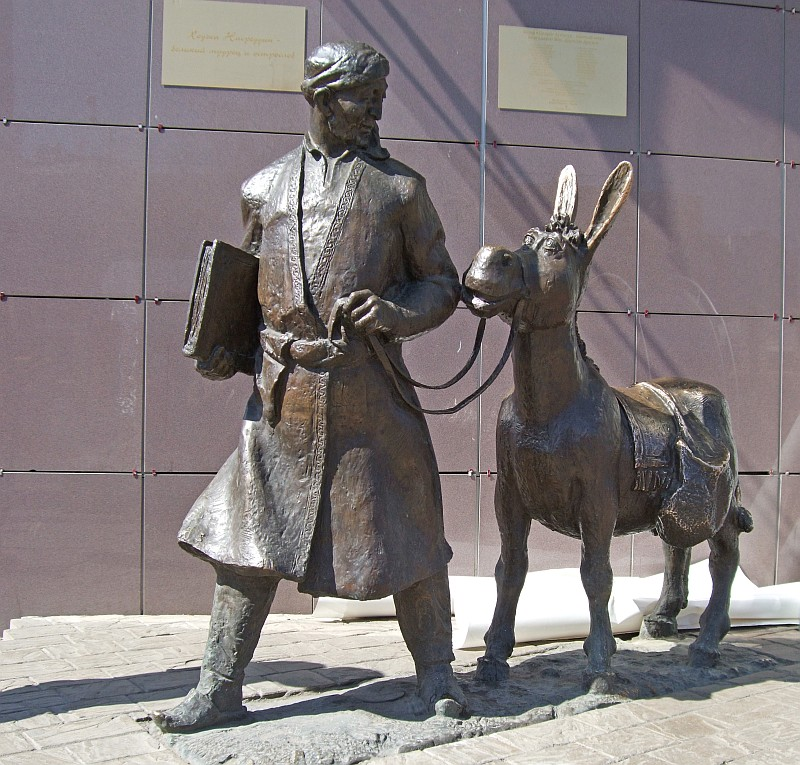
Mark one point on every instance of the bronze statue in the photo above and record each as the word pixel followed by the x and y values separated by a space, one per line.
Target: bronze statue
pixel 334 483
pixel 591 461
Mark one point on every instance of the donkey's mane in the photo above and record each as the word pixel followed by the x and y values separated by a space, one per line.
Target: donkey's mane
pixel 582 348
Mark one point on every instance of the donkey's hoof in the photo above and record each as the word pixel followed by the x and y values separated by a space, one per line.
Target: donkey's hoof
pixel 702 658
pixel 491 670
pixel 658 627
pixel 599 683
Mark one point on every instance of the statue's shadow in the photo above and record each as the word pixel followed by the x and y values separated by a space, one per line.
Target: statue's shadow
pixel 288 678
pixel 542 681
pixel 641 669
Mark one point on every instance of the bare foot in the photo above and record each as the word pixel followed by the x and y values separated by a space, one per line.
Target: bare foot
pixel 195 712
pixel 438 693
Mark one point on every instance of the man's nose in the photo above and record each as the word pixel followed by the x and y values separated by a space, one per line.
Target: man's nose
pixel 376 108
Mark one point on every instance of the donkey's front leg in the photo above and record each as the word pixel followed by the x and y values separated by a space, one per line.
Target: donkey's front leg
pixel 598 580
pixel 715 622
pixel 509 574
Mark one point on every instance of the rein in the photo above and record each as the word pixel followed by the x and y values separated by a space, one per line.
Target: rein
pixel 395 372
pixel 453 380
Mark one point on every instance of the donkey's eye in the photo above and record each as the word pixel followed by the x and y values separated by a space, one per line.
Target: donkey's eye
pixel 553 246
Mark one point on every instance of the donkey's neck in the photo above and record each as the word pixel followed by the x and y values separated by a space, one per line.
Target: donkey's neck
pixel 550 372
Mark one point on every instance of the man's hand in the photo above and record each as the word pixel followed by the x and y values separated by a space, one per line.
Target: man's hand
pixel 368 313
pixel 219 365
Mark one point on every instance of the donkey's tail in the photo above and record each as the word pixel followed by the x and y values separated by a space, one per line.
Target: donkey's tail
pixel 744 521
pixel 741 515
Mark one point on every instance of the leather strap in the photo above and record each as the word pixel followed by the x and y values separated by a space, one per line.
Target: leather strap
pixel 394 373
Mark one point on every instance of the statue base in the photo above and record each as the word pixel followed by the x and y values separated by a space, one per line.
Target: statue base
pixel 337 725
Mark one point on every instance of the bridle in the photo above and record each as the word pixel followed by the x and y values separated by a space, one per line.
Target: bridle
pixel 396 373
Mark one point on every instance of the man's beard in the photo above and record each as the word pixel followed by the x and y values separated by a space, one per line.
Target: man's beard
pixel 352 136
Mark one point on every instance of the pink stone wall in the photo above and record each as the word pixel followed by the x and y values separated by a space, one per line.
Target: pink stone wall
pixel 108 434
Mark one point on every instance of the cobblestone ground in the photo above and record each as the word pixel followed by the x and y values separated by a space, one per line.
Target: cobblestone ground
pixel 81 689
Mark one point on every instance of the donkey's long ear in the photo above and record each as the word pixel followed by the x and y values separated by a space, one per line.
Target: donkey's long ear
pixel 615 192
pixel 567 194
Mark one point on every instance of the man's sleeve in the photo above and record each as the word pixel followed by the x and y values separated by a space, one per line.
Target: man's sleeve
pixel 252 222
pixel 431 293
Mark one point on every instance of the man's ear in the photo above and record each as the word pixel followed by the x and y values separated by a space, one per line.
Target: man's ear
pixel 322 101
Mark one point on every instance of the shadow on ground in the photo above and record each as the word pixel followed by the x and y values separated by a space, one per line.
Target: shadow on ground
pixel 376 718
pixel 58 696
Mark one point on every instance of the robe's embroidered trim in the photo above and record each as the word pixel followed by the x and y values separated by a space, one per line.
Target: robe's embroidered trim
pixel 295 265
pixel 316 282
pixel 320 426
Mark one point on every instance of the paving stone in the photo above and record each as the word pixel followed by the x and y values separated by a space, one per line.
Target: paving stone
pixel 426 757
pixel 11 743
pixel 622 716
pixel 12 642
pixel 110 708
pixel 11 685
pixel 761 682
pixel 38 671
pixel 460 753
pixel 79 647
pixel 130 656
pixel 155 681
pixel 24 653
pixel 82 730
pixel 161 757
pixel 131 745
pixel 162 704
pixel 33 721
pixel 708 750
pixel 758 758
pixel 25 704
pixel 668 706
pixel 567 754
pixel 729 691
pixel 690 725
pixel 780 732
pixel 738 713
pixel 80 691
pixel 783 651
pixel 755 708
pixel 41 758
pixel 141 675
pixel 557 732
pixel 637 740
pixel 33 627
pixel 170 642
pixel 494 747
pixel 786 635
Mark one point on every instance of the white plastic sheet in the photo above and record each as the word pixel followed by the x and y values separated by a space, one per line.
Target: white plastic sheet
pixel 553 605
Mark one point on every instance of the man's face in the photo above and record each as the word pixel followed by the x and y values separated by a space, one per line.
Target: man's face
pixel 354 113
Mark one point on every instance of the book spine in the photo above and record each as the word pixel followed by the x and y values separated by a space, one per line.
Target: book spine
pixel 199 299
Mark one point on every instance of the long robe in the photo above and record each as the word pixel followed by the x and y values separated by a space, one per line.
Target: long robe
pixel 334 483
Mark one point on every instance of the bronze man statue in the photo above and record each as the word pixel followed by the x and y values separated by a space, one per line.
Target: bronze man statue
pixel 334 484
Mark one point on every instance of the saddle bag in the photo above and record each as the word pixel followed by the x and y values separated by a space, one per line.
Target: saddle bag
pixel 696 500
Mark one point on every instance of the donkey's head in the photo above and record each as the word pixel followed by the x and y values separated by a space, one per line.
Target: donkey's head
pixel 542 282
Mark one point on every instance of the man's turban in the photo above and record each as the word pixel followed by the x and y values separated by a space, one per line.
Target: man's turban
pixel 342 65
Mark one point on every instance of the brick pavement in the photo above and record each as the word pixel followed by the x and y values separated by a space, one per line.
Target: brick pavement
pixel 80 690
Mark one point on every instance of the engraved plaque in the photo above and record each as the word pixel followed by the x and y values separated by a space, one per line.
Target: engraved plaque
pixel 553 70
pixel 211 44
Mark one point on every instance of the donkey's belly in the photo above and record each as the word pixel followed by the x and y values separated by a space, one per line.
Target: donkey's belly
pixel 564 486
pixel 550 490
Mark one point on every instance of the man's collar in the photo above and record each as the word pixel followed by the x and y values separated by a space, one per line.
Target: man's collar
pixel 373 152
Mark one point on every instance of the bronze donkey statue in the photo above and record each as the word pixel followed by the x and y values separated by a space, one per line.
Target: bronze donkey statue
pixel 591 461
